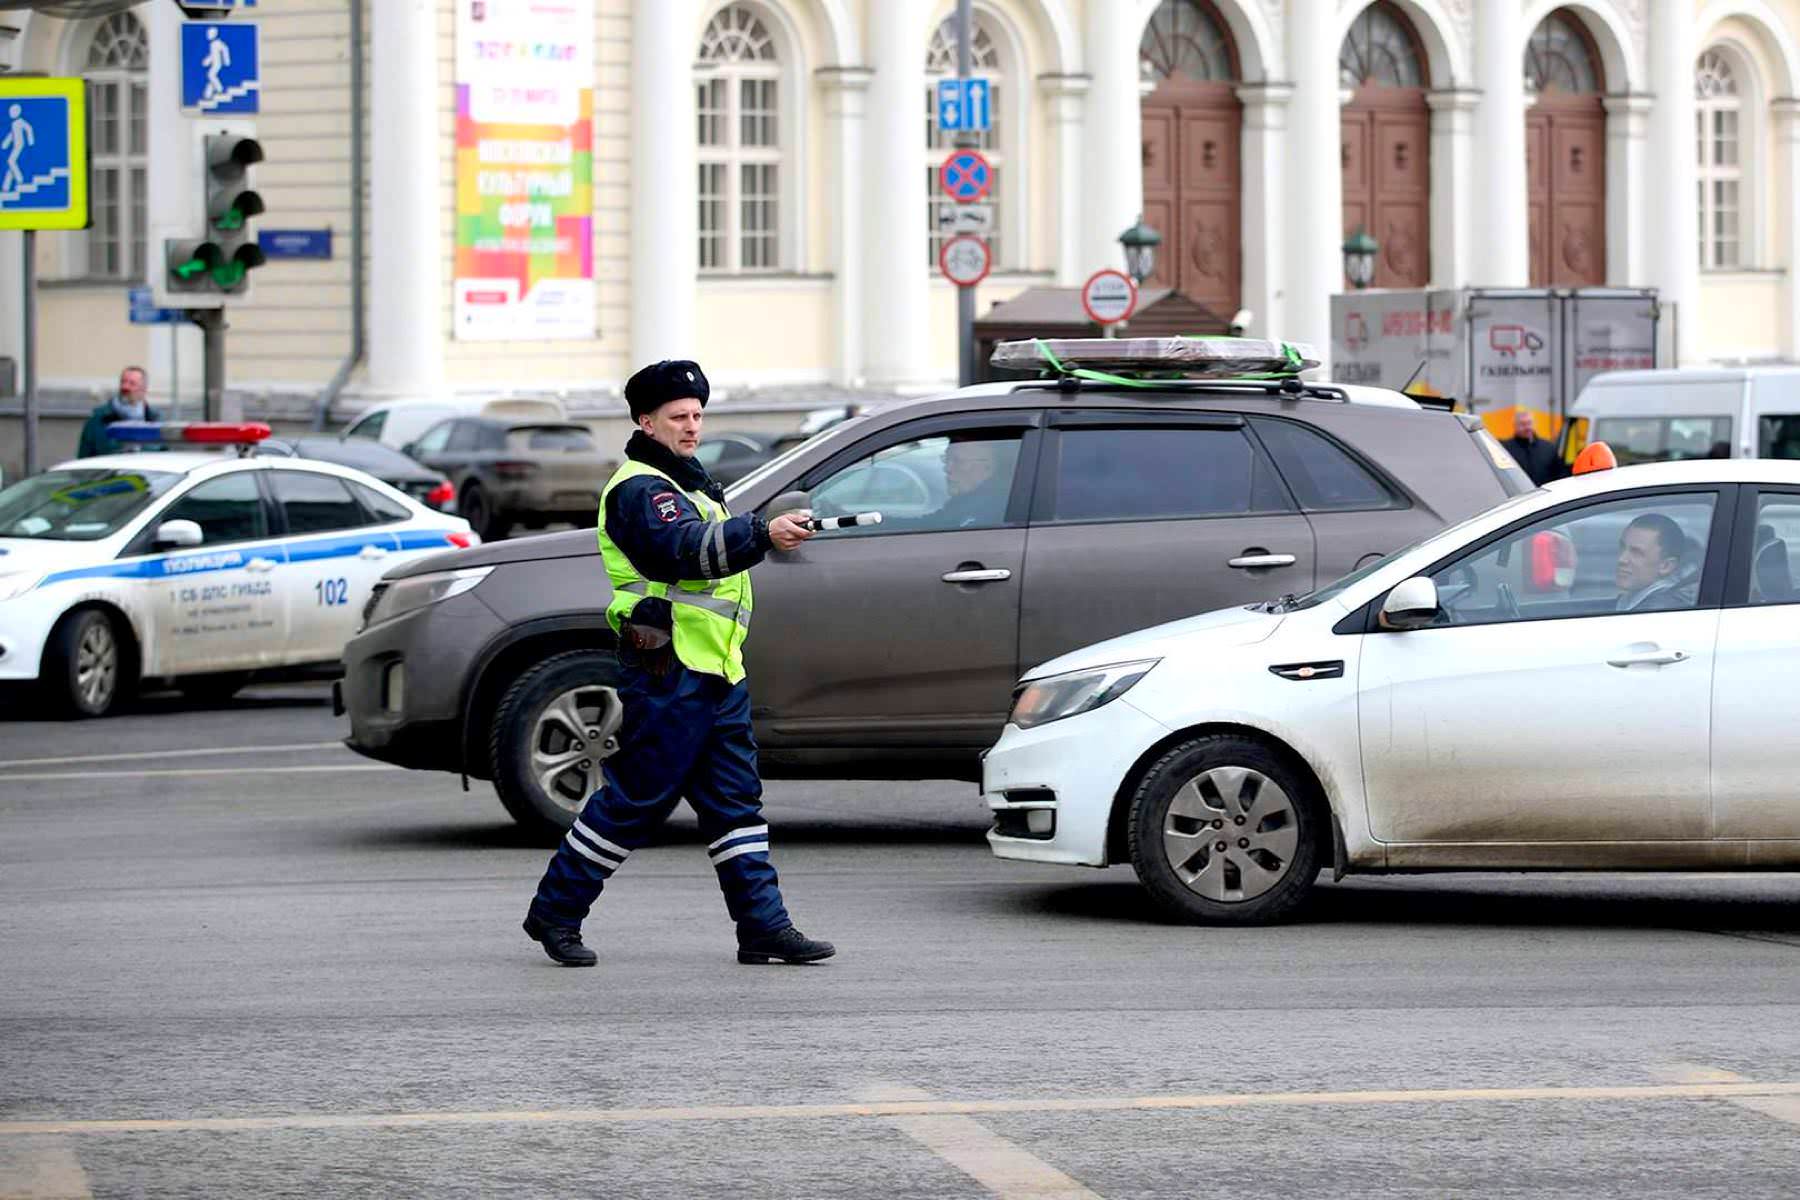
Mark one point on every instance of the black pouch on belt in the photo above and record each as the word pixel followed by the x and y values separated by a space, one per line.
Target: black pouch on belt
pixel 647 638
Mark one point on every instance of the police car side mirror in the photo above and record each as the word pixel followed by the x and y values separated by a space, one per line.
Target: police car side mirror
pixel 788 502
pixel 179 533
pixel 1413 604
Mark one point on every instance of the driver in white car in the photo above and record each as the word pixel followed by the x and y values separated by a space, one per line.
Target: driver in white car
pixel 1649 574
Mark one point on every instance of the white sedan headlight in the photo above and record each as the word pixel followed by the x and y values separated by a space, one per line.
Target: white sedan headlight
pixel 18 583
pixel 394 597
pixel 1041 701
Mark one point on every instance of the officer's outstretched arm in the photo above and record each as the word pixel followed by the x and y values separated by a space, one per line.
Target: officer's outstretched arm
pixel 668 540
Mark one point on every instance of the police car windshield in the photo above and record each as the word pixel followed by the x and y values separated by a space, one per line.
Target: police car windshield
pixel 76 505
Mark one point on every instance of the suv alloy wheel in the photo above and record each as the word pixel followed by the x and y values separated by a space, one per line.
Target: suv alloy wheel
pixel 554 727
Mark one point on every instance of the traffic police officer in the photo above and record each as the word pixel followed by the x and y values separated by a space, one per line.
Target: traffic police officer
pixel 680 570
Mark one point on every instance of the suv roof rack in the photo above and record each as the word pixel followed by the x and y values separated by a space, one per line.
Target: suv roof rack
pixel 1290 388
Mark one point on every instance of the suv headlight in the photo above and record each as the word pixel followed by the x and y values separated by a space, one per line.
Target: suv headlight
pixel 393 597
pixel 1041 701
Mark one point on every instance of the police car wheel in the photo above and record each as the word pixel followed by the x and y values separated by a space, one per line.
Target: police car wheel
pixel 553 728
pixel 85 664
pixel 1225 831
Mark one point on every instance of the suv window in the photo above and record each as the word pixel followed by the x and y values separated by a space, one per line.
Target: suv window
pixel 315 503
pixel 1778 437
pixel 434 440
pixel 1325 478
pixel 465 436
pixel 1161 471
pixel 572 437
pixel 1639 555
pixel 227 509
pixel 949 481
pixel 369 427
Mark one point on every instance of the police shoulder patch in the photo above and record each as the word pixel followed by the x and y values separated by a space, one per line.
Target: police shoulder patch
pixel 667 507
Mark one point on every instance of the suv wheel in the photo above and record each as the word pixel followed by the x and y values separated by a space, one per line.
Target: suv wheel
pixel 555 725
pixel 85 664
pixel 1224 831
pixel 479 512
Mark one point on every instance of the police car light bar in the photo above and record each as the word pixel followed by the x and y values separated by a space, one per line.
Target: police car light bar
pixel 193 433
pixel 1158 357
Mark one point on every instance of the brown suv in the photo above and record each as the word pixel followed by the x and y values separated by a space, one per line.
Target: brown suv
pixel 508 472
pixel 1021 520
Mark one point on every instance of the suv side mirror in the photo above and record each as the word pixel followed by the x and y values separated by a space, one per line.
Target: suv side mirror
pixel 789 502
pixel 411 449
pixel 1413 604
pixel 179 533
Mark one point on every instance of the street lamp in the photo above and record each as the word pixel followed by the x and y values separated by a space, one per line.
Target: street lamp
pixel 1359 258
pixel 1140 242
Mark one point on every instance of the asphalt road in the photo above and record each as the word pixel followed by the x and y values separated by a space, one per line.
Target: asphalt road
pixel 288 972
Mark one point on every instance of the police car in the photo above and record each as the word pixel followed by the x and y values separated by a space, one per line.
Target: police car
pixel 193 564
pixel 1601 674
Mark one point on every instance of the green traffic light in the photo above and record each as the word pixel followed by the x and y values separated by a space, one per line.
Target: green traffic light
pixel 190 268
pixel 229 275
pixel 231 219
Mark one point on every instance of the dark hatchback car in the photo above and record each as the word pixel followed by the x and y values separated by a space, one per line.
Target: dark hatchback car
pixel 1022 520
pixel 428 487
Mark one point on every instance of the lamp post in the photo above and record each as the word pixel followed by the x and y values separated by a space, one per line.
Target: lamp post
pixel 1359 258
pixel 1140 243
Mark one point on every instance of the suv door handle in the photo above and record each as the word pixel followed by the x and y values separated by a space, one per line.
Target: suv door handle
pixel 1260 558
pixel 371 553
pixel 260 564
pixel 982 575
pixel 1648 658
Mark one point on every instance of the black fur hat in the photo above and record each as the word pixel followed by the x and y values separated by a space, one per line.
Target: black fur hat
pixel 661 382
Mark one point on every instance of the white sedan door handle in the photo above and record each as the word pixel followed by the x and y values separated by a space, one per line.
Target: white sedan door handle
pixel 371 553
pixel 1250 562
pixel 260 564
pixel 984 575
pixel 1648 658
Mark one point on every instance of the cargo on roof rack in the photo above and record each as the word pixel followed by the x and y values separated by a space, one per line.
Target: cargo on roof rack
pixel 1132 359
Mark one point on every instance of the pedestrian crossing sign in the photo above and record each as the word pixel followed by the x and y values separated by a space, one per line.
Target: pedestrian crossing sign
pixel 220 71
pixel 43 153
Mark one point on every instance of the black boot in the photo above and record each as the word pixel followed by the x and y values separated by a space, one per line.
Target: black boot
pixel 783 946
pixel 561 942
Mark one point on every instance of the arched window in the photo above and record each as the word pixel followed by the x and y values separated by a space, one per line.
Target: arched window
pixel 117 68
pixel 738 81
pixel 1719 141
pixel 1380 50
pixel 1184 39
pixel 1559 57
pixel 940 63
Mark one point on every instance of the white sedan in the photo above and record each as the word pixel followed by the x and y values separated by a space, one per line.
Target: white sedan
pixel 1600 674
pixel 199 568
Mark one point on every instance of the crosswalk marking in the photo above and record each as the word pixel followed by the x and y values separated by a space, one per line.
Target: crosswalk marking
pixel 1000 1166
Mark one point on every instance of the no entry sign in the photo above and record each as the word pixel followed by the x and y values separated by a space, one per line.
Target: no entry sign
pixel 1109 297
pixel 965 261
pixel 966 176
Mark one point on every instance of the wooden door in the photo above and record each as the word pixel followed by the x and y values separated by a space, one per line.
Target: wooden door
pixel 1565 155
pixel 1386 161
pixel 1192 184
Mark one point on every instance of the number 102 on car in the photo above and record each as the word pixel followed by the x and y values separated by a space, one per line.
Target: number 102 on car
pixel 332 593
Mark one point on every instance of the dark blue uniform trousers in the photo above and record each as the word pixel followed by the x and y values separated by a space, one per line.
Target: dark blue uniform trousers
pixel 685 734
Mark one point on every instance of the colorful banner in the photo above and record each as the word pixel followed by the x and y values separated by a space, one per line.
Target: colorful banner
pixel 524 170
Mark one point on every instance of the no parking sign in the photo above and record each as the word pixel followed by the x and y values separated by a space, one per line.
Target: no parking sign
pixel 966 176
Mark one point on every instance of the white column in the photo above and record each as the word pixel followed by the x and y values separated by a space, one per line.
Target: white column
pixel 1113 195
pixel 1786 113
pixel 1674 220
pixel 896 296
pixel 846 109
pixel 1315 215
pixel 1065 96
pixel 1502 252
pixel 1263 204
pixel 665 185
pixel 407 298
pixel 1453 195
pixel 1628 187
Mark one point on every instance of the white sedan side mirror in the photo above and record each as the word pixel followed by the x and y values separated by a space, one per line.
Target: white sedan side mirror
pixel 179 533
pixel 1413 604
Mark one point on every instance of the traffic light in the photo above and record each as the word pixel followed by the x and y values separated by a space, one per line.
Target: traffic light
pixel 230 204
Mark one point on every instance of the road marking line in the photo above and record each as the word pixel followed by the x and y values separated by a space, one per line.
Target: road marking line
pixel 207 752
pixel 42 1169
pixel 909 1108
pixel 1782 1108
pixel 191 772
pixel 1005 1169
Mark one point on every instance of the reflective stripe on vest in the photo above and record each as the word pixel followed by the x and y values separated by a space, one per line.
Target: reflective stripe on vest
pixel 711 617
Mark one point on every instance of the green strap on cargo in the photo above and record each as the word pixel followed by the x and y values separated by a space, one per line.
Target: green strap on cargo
pixel 1296 364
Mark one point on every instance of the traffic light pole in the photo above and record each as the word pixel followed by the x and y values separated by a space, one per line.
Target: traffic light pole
pixel 29 410
pixel 965 296
pixel 212 325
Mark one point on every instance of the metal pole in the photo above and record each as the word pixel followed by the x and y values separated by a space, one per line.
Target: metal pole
pixel 965 296
pixel 175 370
pixel 31 364
pixel 212 325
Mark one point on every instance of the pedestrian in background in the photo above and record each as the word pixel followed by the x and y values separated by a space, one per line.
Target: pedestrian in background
pixel 679 564
pixel 1535 456
pixel 130 403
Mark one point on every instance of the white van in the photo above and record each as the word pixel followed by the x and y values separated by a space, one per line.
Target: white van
pixel 1690 412
pixel 398 422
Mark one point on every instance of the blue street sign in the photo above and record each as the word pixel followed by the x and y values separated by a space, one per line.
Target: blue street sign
pixel 963 106
pixel 966 176
pixel 294 243
pixel 220 71
pixel 43 154
pixel 145 312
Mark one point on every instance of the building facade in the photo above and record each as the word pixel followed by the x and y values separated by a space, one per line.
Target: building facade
pixel 764 194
